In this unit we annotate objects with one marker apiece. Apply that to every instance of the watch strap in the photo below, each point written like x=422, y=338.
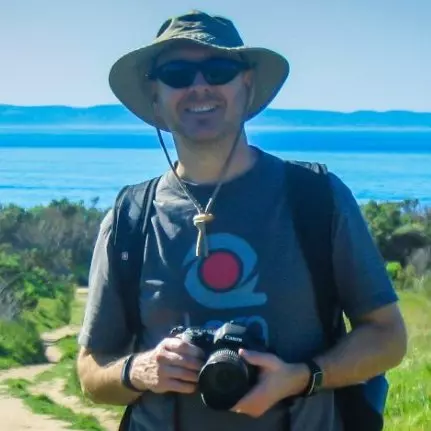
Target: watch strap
x=125, y=374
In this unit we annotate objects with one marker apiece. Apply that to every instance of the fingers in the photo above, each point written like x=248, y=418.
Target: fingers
x=180, y=387
x=265, y=361
x=179, y=373
x=178, y=360
x=248, y=401
x=173, y=366
x=254, y=403
x=182, y=347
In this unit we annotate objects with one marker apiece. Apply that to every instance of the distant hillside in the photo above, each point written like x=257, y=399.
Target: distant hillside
x=118, y=116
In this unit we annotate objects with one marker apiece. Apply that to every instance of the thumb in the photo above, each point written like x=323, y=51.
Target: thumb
x=259, y=359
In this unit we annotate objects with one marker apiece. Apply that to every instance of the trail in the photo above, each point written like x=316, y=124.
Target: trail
x=16, y=416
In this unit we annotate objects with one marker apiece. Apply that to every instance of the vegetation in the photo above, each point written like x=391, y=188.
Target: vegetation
x=42, y=404
x=46, y=251
x=66, y=370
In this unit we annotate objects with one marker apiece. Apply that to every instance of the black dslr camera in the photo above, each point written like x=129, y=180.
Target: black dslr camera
x=225, y=377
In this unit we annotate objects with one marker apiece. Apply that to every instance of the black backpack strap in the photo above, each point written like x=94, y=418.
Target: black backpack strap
x=132, y=211
x=312, y=209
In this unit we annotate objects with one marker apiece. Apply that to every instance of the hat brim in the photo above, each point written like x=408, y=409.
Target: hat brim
x=130, y=85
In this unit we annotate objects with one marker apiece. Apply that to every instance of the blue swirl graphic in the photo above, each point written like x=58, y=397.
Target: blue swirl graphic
x=243, y=294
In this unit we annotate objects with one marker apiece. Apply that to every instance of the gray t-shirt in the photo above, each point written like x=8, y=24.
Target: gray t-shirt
x=254, y=275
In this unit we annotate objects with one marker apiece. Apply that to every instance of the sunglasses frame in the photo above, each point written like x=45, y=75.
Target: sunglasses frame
x=199, y=66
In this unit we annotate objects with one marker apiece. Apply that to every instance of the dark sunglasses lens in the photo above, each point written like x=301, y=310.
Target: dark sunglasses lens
x=220, y=71
x=216, y=71
x=177, y=74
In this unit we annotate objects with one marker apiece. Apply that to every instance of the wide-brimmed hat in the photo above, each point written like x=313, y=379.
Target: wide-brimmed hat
x=129, y=79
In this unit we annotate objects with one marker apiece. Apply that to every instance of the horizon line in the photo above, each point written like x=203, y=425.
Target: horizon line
x=394, y=110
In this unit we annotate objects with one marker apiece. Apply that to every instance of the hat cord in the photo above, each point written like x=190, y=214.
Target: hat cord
x=204, y=215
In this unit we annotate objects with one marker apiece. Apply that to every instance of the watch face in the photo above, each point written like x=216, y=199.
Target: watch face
x=318, y=378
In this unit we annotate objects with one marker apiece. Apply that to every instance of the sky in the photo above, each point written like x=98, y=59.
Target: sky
x=345, y=55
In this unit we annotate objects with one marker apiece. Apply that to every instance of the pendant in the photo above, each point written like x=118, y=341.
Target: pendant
x=199, y=221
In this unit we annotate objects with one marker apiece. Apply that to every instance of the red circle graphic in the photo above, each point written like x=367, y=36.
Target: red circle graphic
x=221, y=270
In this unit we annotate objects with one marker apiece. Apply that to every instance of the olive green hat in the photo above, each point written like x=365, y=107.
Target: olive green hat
x=129, y=79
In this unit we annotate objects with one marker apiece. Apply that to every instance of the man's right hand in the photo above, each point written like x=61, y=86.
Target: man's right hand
x=172, y=366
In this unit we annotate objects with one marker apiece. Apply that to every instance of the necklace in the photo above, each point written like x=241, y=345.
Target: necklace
x=204, y=215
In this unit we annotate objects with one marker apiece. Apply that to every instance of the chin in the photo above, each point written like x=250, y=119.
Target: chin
x=204, y=136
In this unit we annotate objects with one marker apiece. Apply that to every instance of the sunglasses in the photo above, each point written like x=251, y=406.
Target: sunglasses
x=182, y=73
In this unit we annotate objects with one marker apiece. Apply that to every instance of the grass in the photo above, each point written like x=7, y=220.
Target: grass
x=20, y=344
x=77, y=309
x=409, y=402
x=66, y=370
x=41, y=404
x=50, y=313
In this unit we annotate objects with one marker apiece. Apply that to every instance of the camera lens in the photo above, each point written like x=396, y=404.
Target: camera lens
x=223, y=380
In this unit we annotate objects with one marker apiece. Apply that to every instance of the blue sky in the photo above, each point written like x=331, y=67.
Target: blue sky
x=345, y=55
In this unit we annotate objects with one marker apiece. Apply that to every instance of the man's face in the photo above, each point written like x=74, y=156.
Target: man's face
x=201, y=112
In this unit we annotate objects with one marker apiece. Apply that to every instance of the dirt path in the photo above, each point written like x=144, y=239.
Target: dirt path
x=52, y=353
x=16, y=416
x=54, y=390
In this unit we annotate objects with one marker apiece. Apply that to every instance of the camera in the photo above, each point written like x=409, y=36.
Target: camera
x=225, y=376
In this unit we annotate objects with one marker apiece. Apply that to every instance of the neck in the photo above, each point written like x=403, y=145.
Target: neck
x=204, y=163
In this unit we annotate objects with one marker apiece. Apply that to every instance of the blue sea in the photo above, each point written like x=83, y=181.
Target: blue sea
x=39, y=166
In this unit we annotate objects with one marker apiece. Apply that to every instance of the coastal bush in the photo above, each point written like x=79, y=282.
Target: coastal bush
x=399, y=228
x=58, y=237
x=20, y=344
x=31, y=301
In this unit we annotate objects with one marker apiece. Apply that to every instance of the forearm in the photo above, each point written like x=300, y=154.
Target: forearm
x=367, y=351
x=100, y=378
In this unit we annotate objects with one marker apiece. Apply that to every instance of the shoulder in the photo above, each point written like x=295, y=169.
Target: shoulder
x=345, y=202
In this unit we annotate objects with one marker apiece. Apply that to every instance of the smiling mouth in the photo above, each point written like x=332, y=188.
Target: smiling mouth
x=201, y=109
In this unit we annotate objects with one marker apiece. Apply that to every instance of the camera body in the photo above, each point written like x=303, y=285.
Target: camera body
x=225, y=376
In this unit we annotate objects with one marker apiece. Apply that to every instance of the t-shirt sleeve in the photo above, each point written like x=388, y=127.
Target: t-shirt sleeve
x=104, y=328
x=360, y=272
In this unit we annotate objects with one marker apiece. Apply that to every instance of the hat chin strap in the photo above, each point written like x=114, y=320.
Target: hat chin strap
x=204, y=215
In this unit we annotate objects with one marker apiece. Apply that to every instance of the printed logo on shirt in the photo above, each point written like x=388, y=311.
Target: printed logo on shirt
x=227, y=277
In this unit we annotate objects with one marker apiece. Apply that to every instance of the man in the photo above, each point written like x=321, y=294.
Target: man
x=221, y=247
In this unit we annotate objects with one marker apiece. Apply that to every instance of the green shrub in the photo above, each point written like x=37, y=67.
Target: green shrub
x=69, y=347
x=403, y=278
x=394, y=270
x=20, y=344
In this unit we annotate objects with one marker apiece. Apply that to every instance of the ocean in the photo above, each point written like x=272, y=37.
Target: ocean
x=39, y=166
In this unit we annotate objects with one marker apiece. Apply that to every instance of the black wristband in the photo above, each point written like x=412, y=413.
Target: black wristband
x=125, y=374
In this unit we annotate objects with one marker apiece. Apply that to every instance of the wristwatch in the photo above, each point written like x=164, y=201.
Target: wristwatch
x=315, y=381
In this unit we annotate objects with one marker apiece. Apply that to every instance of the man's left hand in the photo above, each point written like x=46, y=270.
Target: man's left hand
x=277, y=380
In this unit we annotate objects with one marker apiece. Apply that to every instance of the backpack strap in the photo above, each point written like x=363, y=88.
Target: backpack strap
x=312, y=208
x=132, y=211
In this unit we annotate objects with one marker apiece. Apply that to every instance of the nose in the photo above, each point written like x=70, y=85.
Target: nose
x=199, y=81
